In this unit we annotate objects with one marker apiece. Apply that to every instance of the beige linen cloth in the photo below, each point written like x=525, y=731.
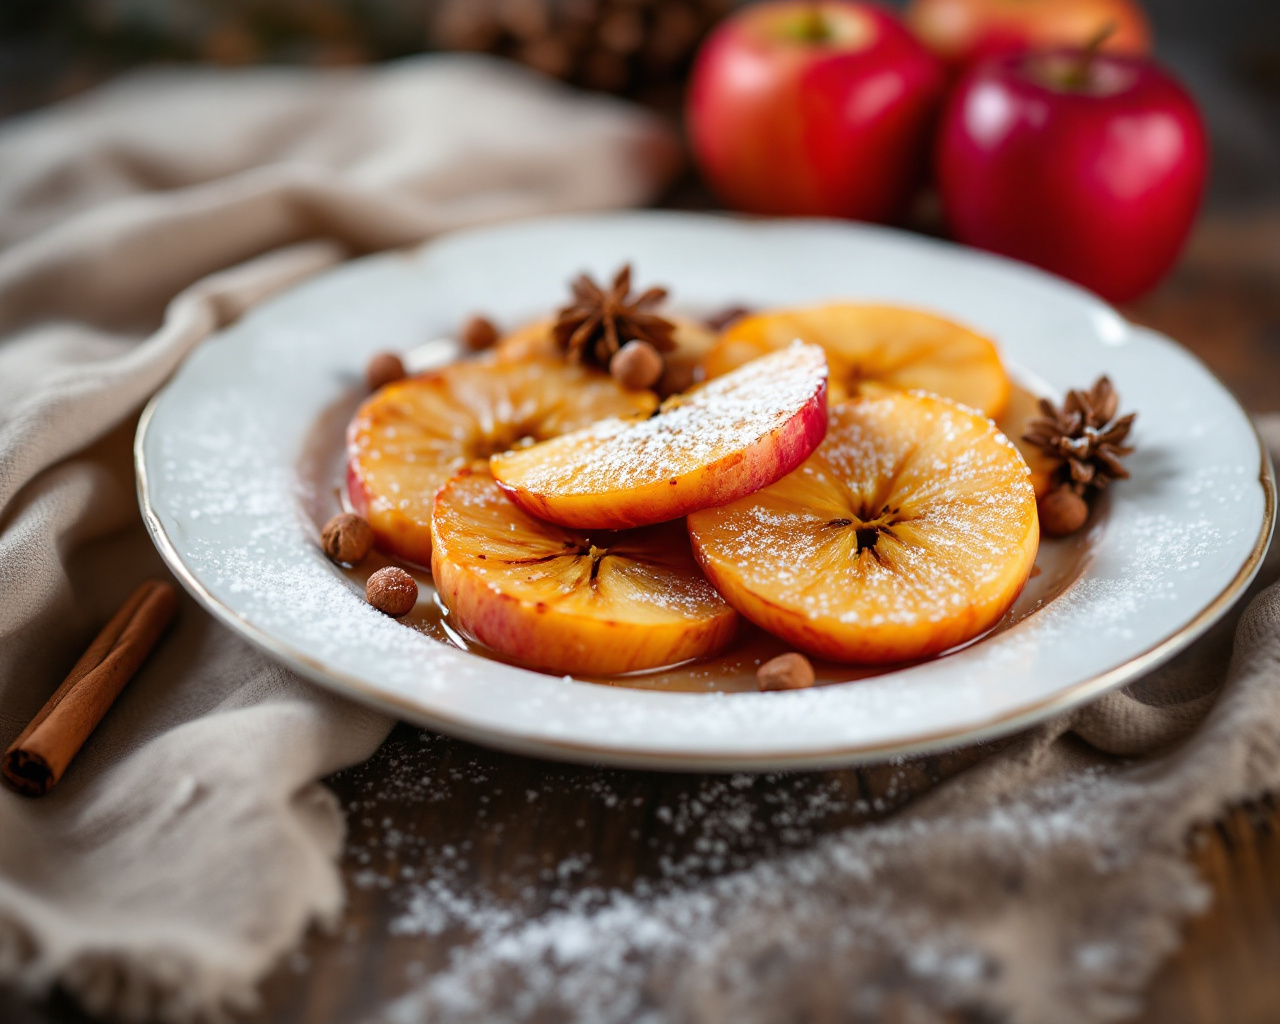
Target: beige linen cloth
x=191, y=844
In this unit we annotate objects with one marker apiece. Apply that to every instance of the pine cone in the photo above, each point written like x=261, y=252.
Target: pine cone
x=636, y=47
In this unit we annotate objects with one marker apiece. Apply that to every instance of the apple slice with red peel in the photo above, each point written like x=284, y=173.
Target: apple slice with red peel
x=911, y=529
x=599, y=603
x=411, y=436
x=713, y=444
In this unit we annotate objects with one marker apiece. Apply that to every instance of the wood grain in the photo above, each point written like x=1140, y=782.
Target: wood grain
x=1225, y=972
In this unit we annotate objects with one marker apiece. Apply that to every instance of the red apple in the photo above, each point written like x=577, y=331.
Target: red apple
x=963, y=31
x=1090, y=166
x=820, y=108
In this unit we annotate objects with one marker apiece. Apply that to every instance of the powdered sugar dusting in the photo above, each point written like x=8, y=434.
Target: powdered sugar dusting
x=719, y=937
x=951, y=495
x=223, y=442
x=643, y=577
x=732, y=884
x=720, y=419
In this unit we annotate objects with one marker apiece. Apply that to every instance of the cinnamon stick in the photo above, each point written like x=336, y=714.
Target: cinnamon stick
x=36, y=760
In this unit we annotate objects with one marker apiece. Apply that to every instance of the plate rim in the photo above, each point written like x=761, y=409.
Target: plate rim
x=345, y=684
x=1003, y=723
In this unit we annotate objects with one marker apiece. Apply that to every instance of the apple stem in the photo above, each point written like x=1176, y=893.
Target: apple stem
x=1078, y=76
x=815, y=25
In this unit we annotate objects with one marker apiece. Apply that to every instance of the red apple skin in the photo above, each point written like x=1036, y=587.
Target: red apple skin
x=1099, y=184
x=963, y=32
x=785, y=125
x=395, y=534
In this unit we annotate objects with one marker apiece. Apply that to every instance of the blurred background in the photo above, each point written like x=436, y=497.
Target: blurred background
x=1222, y=299
x=1226, y=51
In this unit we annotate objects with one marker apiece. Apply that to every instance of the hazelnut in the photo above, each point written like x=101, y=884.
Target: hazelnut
x=392, y=590
x=1062, y=511
x=383, y=368
x=479, y=334
x=346, y=538
x=636, y=365
x=790, y=671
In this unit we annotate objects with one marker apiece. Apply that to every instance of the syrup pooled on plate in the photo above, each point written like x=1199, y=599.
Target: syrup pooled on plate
x=322, y=470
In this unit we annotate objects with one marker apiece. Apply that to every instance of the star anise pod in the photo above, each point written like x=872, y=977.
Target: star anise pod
x=1085, y=435
x=598, y=322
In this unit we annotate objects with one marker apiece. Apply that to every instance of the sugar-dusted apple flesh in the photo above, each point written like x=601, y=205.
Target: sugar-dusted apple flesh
x=411, y=436
x=563, y=600
x=712, y=444
x=911, y=529
x=869, y=346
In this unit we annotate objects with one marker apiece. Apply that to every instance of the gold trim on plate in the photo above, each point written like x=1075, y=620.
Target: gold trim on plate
x=1073, y=696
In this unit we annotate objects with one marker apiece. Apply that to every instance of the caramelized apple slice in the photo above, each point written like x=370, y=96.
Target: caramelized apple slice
x=910, y=530
x=566, y=601
x=530, y=340
x=411, y=436
x=712, y=444
x=866, y=346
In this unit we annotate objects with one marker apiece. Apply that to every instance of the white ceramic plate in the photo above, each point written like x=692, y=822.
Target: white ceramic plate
x=226, y=460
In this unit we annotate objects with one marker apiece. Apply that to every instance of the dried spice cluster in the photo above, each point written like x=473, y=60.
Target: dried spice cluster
x=1088, y=440
x=610, y=329
x=598, y=322
x=1085, y=435
x=392, y=591
x=550, y=498
x=347, y=539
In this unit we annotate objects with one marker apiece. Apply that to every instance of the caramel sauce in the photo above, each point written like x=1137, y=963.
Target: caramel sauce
x=321, y=472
